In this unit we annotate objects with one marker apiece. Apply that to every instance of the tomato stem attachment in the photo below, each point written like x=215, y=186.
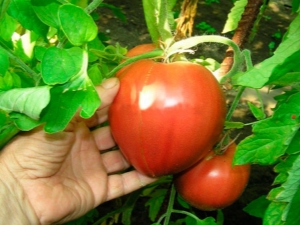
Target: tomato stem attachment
x=153, y=54
x=194, y=41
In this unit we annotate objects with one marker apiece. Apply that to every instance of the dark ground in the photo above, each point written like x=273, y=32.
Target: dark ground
x=134, y=32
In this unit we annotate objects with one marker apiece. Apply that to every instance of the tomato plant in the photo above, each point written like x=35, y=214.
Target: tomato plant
x=36, y=36
x=214, y=182
x=166, y=115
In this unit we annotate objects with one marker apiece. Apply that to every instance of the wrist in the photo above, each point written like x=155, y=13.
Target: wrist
x=16, y=208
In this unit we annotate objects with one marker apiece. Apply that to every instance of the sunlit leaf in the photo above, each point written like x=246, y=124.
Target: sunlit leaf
x=293, y=213
x=257, y=112
x=287, y=79
x=78, y=26
x=273, y=214
x=235, y=15
x=22, y=10
x=95, y=74
x=158, y=20
x=7, y=27
x=59, y=65
x=67, y=99
x=48, y=13
x=284, y=59
x=30, y=101
x=292, y=183
x=271, y=136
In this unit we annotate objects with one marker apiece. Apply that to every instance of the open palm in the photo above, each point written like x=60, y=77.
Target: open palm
x=64, y=175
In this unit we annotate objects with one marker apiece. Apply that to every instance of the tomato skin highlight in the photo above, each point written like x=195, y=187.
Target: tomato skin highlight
x=166, y=116
x=213, y=183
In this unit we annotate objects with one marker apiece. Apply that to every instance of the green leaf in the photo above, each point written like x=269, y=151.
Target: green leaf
x=48, y=13
x=30, y=101
x=7, y=128
x=24, y=122
x=95, y=74
x=285, y=57
x=129, y=206
x=9, y=81
x=22, y=11
x=257, y=112
x=59, y=65
x=233, y=125
x=24, y=46
x=287, y=79
x=39, y=52
x=282, y=169
x=272, y=136
x=293, y=213
x=3, y=7
x=294, y=145
x=257, y=207
x=295, y=5
x=4, y=62
x=158, y=22
x=66, y=100
x=285, y=197
x=110, y=53
x=235, y=15
x=155, y=202
x=292, y=184
x=273, y=214
x=7, y=27
x=78, y=26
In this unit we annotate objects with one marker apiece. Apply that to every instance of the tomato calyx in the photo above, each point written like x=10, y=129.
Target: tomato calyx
x=221, y=147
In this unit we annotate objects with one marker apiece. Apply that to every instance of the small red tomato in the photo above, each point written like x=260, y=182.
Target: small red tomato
x=213, y=183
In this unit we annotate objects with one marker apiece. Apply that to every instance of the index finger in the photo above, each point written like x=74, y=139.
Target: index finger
x=107, y=91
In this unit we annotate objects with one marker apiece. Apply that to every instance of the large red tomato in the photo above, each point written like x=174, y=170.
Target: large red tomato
x=137, y=50
x=213, y=183
x=166, y=115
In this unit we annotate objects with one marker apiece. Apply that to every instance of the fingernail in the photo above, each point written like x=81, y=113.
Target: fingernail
x=109, y=83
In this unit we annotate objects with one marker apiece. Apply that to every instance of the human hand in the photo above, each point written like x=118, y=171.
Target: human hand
x=63, y=175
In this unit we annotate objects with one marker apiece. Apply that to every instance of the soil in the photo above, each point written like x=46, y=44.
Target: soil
x=133, y=32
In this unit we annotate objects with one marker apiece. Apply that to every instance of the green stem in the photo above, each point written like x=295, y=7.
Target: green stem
x=188, y=43
x=249, y=65
x=153, y=54
x=92, y=6
x=26, y=68
x=180, y=212
x=170, y=205
x=235, y=103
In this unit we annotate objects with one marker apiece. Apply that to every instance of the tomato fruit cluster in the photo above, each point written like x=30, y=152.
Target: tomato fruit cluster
x=213, y=183
x=166, y=116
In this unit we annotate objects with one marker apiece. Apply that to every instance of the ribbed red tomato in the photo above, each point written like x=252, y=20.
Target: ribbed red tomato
x=213, y=183
x=166, y=115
